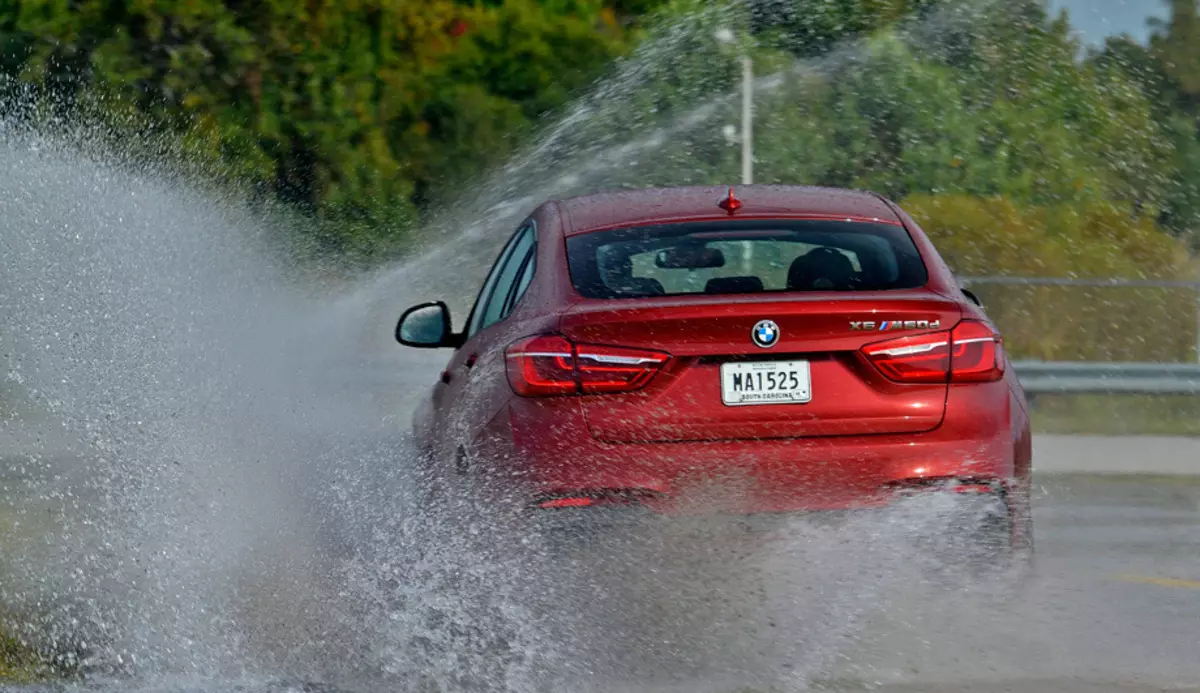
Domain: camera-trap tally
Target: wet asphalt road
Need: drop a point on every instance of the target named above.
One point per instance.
(1113, 603)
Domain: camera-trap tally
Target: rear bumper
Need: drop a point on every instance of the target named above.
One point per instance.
(960, 527)
(748, 476)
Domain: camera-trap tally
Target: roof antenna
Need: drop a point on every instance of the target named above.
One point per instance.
(730, 204)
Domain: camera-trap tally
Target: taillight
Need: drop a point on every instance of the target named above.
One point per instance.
(978, 353)
(542, 365)
(919, 359)
(548, 365)
(969, 353)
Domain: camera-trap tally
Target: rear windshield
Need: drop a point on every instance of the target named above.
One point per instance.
(744, 257)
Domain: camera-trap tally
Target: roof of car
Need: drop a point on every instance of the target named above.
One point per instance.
(666, 205)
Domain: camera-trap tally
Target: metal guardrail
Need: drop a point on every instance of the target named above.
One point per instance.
(1051, 377)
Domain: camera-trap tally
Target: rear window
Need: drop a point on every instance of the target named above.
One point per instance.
(744, 257)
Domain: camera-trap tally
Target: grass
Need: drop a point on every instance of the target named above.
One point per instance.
(1117, 415)
(20, 663)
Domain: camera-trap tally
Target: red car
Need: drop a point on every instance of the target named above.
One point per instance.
(759, 349)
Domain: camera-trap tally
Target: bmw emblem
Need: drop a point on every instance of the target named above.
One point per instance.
(765, 334)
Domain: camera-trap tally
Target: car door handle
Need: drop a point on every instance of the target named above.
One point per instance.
(471, 360)
(446, 377)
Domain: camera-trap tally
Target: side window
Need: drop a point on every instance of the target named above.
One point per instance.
(501, 290)
(489, 284)
(524, 278)
(502, 298)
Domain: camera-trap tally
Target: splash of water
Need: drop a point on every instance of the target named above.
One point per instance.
(244, 509)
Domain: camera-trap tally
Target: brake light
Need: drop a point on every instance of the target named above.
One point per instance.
(548, 365)
(971, 352)
(918, 359)
(542, 365)
(615, 369)
(978, 353)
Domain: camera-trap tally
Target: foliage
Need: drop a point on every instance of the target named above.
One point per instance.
(926, 108)
(353, 111)
(1027, 122)
(994, 236)
(366, 113)
(1168, 70)
(1175, 46)
(20, 663)
(810, 27)
(990, 236)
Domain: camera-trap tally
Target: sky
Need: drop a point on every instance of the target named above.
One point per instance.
(1096, 19)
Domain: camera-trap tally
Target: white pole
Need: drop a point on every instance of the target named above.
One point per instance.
(747, 121)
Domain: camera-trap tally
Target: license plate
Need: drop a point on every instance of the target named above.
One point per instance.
(765, 382)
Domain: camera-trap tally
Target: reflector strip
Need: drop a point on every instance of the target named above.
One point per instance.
(910, 350)
(626, 360)
(566, 503)
(972, 488)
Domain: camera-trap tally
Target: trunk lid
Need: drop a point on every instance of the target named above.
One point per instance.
(684, 401)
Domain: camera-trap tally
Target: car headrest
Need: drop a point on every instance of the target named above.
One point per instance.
(733, 285)
(821, 269)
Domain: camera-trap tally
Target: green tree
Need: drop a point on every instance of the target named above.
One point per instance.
(363, 112)
(904, 112)
(1168, 71)
(1175, 44)
(351, 111)
(1028, 122)
(810, 27)
(1173, 76)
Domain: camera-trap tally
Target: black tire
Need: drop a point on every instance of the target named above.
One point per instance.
(978, 541)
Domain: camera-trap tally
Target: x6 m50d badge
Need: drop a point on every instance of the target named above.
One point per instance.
(889, 325)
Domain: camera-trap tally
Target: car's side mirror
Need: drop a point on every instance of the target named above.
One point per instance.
(972, 297)
(427, 326)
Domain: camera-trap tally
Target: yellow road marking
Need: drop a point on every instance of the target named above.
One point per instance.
(1161, 582)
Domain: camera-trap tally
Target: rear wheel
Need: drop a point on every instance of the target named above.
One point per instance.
(428, 484)
(985, 533)
(442, 482)
(996, 563)
(976, 537)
